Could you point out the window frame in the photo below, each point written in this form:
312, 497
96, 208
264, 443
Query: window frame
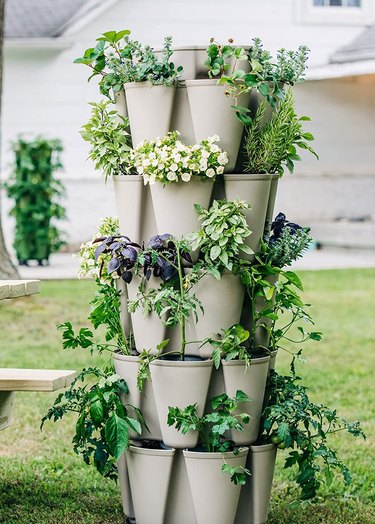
308, 13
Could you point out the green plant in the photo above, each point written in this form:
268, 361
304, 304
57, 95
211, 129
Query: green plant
212, 427
293, 421
36, 194
230, 345
168, 160
272, 147
103, 424
222, 234
108, 136
223, 59
128, 61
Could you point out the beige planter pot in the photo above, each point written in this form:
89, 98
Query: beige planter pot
255, 495
271, 203
212, 114
6, 407
129, 191
213, 295
181, 116
149, 474
255, 190
150, 110
124, 484
179, 384
174, 205
272, 365
215, 497
126, 366
251, 381
148, 331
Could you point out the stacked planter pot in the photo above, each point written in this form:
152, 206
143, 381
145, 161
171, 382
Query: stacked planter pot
172, 482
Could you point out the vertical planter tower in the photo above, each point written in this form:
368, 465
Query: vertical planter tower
198, 263
146, 210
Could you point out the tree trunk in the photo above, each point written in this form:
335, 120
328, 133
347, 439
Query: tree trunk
7, 269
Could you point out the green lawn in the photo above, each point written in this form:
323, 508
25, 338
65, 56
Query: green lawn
43, 482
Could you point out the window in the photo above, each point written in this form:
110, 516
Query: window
335, 12
337, 3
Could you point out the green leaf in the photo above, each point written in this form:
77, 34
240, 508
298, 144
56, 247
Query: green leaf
96, 411
215, 252
134, 425
121, 34
110, 36
293, 279
117, 436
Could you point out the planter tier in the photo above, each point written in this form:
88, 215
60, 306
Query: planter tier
6, 407
255, 190
252, 381
148, 469
212, 114
172, 383
150, 110
215, 497
126, 366
255, 495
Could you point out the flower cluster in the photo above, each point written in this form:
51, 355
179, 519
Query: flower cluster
88, 265
169, 160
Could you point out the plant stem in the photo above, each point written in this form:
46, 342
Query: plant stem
182, 323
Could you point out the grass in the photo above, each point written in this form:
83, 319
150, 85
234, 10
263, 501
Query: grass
43, 482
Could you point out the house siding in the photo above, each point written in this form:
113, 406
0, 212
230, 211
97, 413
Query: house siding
45, 93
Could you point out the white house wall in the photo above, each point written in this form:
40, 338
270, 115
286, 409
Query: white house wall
45, 93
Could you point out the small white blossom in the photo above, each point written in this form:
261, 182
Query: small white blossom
174, 167
210, 172
186, 177
222, 159
220, 170
171, 176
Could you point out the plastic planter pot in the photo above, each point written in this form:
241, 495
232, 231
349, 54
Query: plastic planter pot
179, 384
120, 103
215, 497
124, 313
255, 495
212, 114
126, 366
148, 331
215, 297
271, 203
174, 205
129, 197
150, 110
251, 381
126, 495
255, 190
149, 475
181, 117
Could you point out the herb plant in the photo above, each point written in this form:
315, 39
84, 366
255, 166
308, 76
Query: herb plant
108, 136
168, 160
293, 421
272, 147
230, 345
223, 59
36, 194
212, 427
103, 424
222, 234
117, 59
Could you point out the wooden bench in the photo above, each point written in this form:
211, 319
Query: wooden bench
12, 380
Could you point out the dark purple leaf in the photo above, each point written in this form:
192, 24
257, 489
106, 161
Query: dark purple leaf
127, 276
113, 265
99, 250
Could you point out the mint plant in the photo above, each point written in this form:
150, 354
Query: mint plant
212, 427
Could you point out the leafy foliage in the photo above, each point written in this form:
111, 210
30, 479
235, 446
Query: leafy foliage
272, 146
293, 421
222, 59
212, 427
222, 234
36, 194
230, 345
108, 135
103, 424
127, 60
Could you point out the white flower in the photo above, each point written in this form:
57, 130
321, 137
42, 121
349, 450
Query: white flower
220, 170
203, 165
171, 176
174, 167
210, 173
154, 163
140, 170
214, 138
176, 157
146, 162
222, 159
205, 154
215, 148
186, 177
161, 167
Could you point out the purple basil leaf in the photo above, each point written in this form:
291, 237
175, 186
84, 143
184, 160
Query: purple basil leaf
113, 265
127, 276
99, 250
